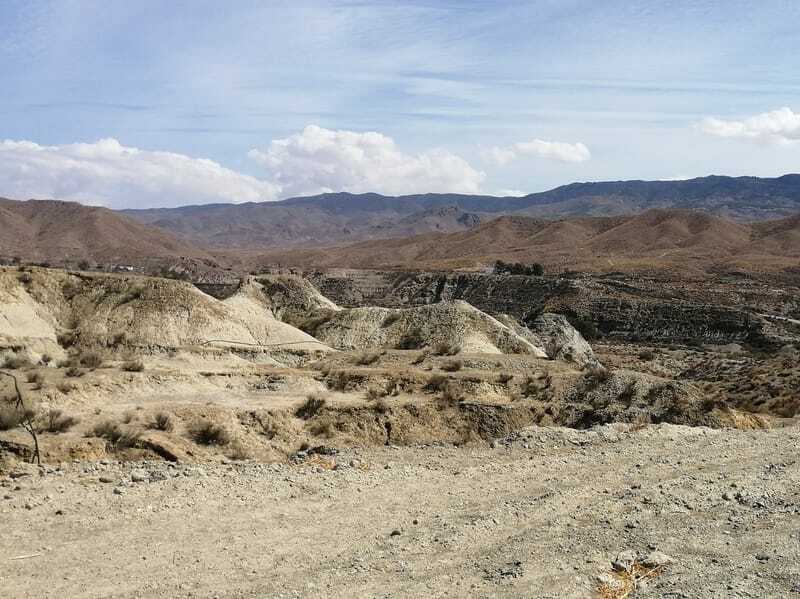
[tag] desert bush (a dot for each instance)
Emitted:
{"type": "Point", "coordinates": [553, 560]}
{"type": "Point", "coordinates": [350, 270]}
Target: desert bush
{"type": "Point", "coordinates": [208, 433]}
{"type": "Point", "coordinates": [436, 383]}
{"type": "Point", "coordinates": [91, 360]}
{"type": "Point", "coordinates": [503, 378]}
{"type": "Point", "coordinates": [446, 349]}
{"type": "Point", "coordinates": [518, 268]}
{"type": "Point", "coordinates": [367, 358]}
{"type": "Point", "coordinates": [118, 436]}
{"type": "Point", "coordinates": [646, 355]}
{"type": "Point", "coordinates": [450, 394]}
{"type": "Point", "coordinates": [390, 319]}
{"type": "Point", "coordinates": [35, 378]}
{"type": "Point", "coordinates": [310, 407]}
{"type": "Point", "coordinates": [339, 380]}
{"type": "Point", "coordinates": [412, 339]}
{"type": "Point", "coordinates": [59, 422]}
{"type": "Point", "coordinates": [24, 278]}
{"type": "Point", "coordinates": [10, 416]}
{"type": "Point", "coordinates": [533, 384]}
{"type": "Point", "coordinates": [323, 428]}
{"type": "Point", "coordinates": [238, 451]}
{"type": "Point", "coordinates": [162, 422]}
{"type": "Point", "coordinates": [133, 366]}
{"type": "Point", "coordinates": [596, 376]}
{"type": "Point", "coordinates": [420, 358]}
{"type": "Point", "coordinates": [452, 366]}
{"type": "Point", "coordinates": [15, 362]}
{"type": "Point", "coordinates": [311, 324]}
{"type": "Point", "coordinates": [67, 338]}
{"type": "Point", "coordinates": [65, 387]}
{"type": "Point", "coordinates": [375, 393]}
{"type": "Point", "coordinates": [73, 372]}
{"type": "Point", "coordinates": [128, 417]}
{"type": "Point", "coordinates": [70, 289]}
{"type": "Point", "coordinates": [46, 359]}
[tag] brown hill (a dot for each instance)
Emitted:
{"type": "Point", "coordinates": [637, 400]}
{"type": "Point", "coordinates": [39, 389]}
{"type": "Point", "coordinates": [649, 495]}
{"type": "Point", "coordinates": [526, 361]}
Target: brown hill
{"type": "Point", "coordinates": [60, 232]}
{"type": "Point", "coordinates": [654, 240]}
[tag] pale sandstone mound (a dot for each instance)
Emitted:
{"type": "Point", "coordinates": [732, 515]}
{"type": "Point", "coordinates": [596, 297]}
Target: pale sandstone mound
{"type": "Point", "coordinates": [455, 323]}
{"type": "Point", "coordinates": [112, 311]}
{"type": "Point", "coordinates": [559, 339]}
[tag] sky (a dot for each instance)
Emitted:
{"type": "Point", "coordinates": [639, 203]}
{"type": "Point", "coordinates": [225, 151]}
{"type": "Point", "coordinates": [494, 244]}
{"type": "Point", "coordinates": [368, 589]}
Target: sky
{"type": "Point", "coordinates": [159, 104]}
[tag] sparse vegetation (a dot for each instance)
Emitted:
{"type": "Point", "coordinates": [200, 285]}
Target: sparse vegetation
{"type": "Point", "coordinates": [35, 378]}
{"type": "Point", "coordinates": [205, 432]}
{"type": "Point", "coordinates": [16, 362]}
{"type": "Point", "coordinates": [411, 339]}
{"type": "Point", "coordinates": [390, 319]}
{"type": "Point", "coordinates": [504, 378]}
{"type": "Point", "coordinates": [238, 451]}
{"type": "Point", "coordinates": [59, 422]}
{"type": "Point", "coordinates": [367, 358]}
{"type": "Point", "coordinates": [646, 355]}
{"type": "Point", "coordinates": [445, 348]}
{"type": "Point", "coordinates": [91, 359]}
{"type": "Point", "coordinates": [310, 407]}
{"type": "Point", "coordinates": [420, 358]}
{"type": "Point", "coordinates": [65, 387]}
{"type": "Point", "coordinates": [10, 416]}
{"type": "Point", "coordinates": [73, 372]}
{"type": "Point", "coordinates": [162, 422]}
{"type": "Point", "coordinates": [594, 377]}
{"type": "Point", "coordinates": [517, 268]}
{"type": "Point", "coordinates": [118, 436]}
{"type": "Point", "coordinates": [436, 383]}
{"type": "Point", "coordinates": [133, 366]}
{"type": "Point", "coordinates": [452, 365]}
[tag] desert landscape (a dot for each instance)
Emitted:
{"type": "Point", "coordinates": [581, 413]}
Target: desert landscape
{"type": "Point", "coordinates": [394, 299]}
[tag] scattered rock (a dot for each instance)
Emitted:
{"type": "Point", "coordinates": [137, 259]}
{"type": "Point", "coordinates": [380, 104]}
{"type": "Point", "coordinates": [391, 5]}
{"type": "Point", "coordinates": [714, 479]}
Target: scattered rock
{"type": "Point", "coordinates": [624, 561]}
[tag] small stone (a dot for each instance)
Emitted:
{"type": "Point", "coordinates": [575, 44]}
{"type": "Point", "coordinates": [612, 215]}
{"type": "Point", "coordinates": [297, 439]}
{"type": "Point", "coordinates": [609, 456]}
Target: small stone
{"type": "Point", "coordinates": [119, 491]}
{"type": "Point", "coordinates": [624, 560]}
{"type": "Point", "coordinates": [355, 463]}
{"type": "Point", "coordinates": [106, 479]}
{"type": "Point", "coordinates": [139, 476]}
{"type": "Point", "coordinates": [657, 559]}
{"type": "Point", "coordinates": [762, 557]}
{"type": "Point", "coordinates": [395, 533]}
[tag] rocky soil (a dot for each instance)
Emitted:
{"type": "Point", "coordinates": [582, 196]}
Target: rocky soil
{"type": "Point", "coordinates": [542, 513]}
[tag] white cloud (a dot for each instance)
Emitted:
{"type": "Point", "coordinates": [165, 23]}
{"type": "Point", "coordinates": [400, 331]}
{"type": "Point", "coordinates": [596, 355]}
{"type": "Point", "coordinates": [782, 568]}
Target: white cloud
{"type": "Point", "coordinates": [777, 126]}
{"type": "Point", "coordinates": [108, 173]}
{"type": "Point", "coordinates": [319, 160]}
{"type": "Point", "coordinates": [553, 150]}
{"type": "Point", "coordinates": [503, 193]}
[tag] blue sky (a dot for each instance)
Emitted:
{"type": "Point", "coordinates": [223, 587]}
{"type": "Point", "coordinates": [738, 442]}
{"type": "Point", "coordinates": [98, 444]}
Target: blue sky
{"type": "Point", "coordinates": [257, 100]}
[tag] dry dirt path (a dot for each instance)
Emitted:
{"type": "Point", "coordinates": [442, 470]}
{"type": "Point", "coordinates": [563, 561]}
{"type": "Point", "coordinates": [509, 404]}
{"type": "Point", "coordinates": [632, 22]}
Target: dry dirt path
{"type": "Point", "coordinates": [540, 515]}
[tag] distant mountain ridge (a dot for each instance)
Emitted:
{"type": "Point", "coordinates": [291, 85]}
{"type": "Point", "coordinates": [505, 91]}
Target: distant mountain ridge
{"type": "Point", "coordinates": [337, 218]}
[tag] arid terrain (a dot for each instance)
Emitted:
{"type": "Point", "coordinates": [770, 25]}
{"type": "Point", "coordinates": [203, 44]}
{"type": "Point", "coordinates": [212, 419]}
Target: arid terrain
{"type": "Point", "coordinates": [379, 434]}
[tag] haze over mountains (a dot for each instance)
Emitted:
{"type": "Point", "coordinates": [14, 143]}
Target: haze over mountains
{"type": "Point", "coordinates": [744, 221]}
{"type": "Point", "coordinates": [336, 218]}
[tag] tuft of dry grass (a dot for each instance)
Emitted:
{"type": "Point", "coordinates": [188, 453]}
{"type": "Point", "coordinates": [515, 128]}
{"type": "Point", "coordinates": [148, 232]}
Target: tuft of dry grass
{"type": "Point", "coordinates": [503, 378]}
{"type": "Point", "coordinates": [65, 387]}
{"type": "Point", "coordinates": [133, 366]}
{"type": "Point", "coordinates": [16, 362]}
{"type": "Point", "coordinates": [91, 359]}
{"type": "Point", "coordinates": [73, 372]}
{"type": "Point", "coordinates": [36, 379]}
{"type": "Point", "coordinates": [594, 377]}
{"type": "Point", "coordinates": [59, 422]}
{"type": "Point", "coordinates": [622, 585]}
{"type": "Point", "coordinates": [420, 358]}
{"type": "Point", "coordinates": [452, 366]}
{"type": "Point", "coordinates": [238, 451]}
{"type": "Point", "coordinates": [436, 382]}
{"type": "Point", "coordinates": [11, 416]}
{"type": "Point", "coordinates": [162, 422]}
{"type": "Point", "coordinates": [367, 358]}
{"type": "Point", "coordinates": [208, 433]}
{"type": "Point", "coordinates": [446, 349]}
{"type": "Point", "coordinates": [310, 407]}
{"type": "Point", "coordinates": [119, 437]}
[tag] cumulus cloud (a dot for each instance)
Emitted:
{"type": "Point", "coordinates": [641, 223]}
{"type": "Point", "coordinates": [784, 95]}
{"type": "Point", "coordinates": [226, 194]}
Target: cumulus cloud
{"type": "Point", "coordinates": [319, 160]}
{"type": "Point", "coordinates": [780, 126]}
{"type": "Point", "coordinates": [552, 150]}
{"type": "Point", "coordinates": [110, 174]}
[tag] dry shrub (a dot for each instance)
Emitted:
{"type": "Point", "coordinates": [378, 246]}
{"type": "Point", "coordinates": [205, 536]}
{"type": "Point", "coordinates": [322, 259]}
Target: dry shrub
{"type": "Point", "coordinates": [119, 437]}
{"type": "Point", "coordinates": [646, 355]}
{"type": "Point", "coordinates": [367, 358]}
{"type": "Point", "coordinates": [133, 366]}
{"type": "Point", "coordinates": [24, 278]}
{"type": "Point", "coordinates": [533, 384]}
{"type": "Point", "coordinates": [375, 393]}
{"type": "Point", "coordinates": [446, 349]}
{"type": "Point", "coordinates": [339, 380]}
{"type": "Point", "coordinates": [452, 366]}
{"type": "Point", "coordinates": [420, 358]}
{"type": "Point", "coordinates": [36, 379]}
{"type": "Point", "coordinates": [208, 433]}
{"type": "Point", "coordinates": [594, 377]}
{"type": "Point", "coordinates": [436, 383]}
{"type": "Point", "coordinates": [11, 416]}
{"type": "Point", "coordinates": [450, 394]}
{"type": "Point", "coordinates": [412, 339]}
{"type": "Point", "coordinates": [74, 372]}
{"type": "Point", "coordinates": [624, 584]}
{"type": "Point", "coordinates": [503, 378]}
{"type": "Point", "coordinates": [46, 359]}
{"type": "Point", "coordinates": [65, 387]}
{"type": "Point", "coordinates": [238, 451]}
{"type": "Point", "coordinates": [323, 428]}
{"type": "Point", "coordinates": [59, 422]}
{"type": "Point", "coordinates": [390, 319]}
{"type": "Point", "coordinates": [16, 362]}
{"type": "Point", "coordinates": [162, 422]}
{"type": "Point", "coordinates": [91, 360]}
{"type": "Point", "coordinates": [310, 407]}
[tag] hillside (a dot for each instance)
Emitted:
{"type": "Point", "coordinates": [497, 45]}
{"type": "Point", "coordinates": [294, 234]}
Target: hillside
{"type": "Point", "coordinates": [55, 231]}
{"type": "Point", "coordinates": [337, 218]}
{"type": "Point", "coordinates": [655, 239]}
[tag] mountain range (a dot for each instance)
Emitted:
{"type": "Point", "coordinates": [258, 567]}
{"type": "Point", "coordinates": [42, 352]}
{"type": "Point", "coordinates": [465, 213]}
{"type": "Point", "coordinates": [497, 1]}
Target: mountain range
{"type": "Point", "coordinates": [733, 222]}
{"type": "Point", "coordinates": [336, 218]}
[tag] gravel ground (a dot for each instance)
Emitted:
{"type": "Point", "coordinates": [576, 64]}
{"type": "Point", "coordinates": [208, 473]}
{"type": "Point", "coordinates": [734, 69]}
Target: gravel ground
{"type": "Point", "coordinates": [540, 514]}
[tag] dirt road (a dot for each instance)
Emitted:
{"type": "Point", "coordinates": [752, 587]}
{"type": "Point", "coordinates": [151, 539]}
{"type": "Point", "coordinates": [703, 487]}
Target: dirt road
{"type": "Point", "coordinates": [541, 514]}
